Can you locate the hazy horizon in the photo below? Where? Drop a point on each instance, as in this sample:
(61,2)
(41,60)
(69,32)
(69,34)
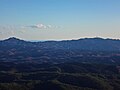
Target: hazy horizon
(60,39)
(59,20)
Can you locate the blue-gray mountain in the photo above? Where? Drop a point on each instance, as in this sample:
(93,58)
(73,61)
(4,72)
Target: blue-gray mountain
(89,44)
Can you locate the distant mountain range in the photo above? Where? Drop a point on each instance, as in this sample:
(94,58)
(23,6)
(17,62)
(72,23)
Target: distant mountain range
(90,44)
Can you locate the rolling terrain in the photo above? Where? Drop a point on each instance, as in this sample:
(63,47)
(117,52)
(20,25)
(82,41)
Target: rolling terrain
(83,64)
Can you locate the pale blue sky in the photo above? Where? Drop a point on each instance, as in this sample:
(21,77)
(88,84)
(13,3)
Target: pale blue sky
(59,19)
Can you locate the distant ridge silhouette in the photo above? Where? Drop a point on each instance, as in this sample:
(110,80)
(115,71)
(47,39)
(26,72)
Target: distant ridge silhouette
(94,38)
(92,44)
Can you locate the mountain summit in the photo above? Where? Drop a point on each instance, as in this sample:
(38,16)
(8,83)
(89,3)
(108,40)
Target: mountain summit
(12,39)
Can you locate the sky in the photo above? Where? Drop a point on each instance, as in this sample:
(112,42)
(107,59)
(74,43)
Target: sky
(59,19)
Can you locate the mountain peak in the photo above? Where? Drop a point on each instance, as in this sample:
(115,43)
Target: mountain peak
(13,39)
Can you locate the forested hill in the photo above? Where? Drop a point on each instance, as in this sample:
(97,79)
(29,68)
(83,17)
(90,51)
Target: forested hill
(83,64)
